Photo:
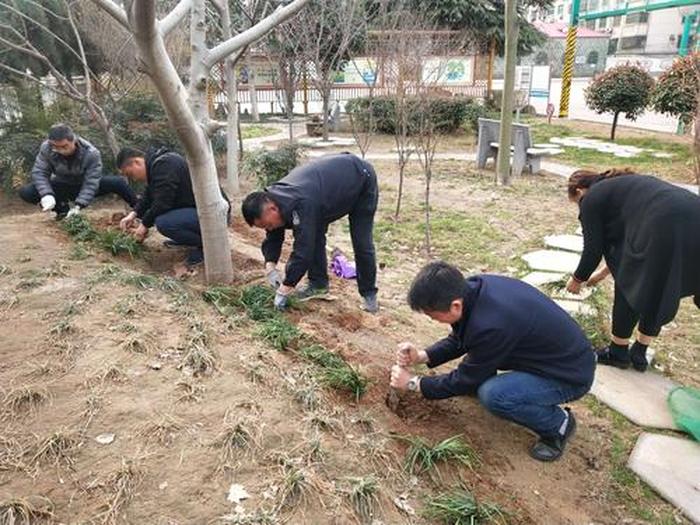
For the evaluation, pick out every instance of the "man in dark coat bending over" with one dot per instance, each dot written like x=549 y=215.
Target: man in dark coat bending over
x=501 y=324
x=306 y=201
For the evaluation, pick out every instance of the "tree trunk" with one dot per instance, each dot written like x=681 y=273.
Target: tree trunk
x=503 y=164
x=211 y=207
x=428 y=177
x=402 y=167
x=105 y=126
x=614 y=125
x=326 y=94
x=253 y=93
x=232 y=185
x=696 y=141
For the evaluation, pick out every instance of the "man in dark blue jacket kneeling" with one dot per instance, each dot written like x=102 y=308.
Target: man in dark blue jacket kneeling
x=501 y=324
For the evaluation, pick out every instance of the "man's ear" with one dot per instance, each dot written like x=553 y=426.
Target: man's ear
x=456 y=306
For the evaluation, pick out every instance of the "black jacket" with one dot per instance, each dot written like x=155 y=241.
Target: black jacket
x=647 y=230
x=311 y=197
x=508 y=325
x=169 y=186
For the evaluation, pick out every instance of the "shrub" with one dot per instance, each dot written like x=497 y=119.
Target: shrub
x=448 y=114
x=678 y=89
x=267 y=167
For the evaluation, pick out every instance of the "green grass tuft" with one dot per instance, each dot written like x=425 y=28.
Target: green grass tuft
x=364 y=496
x=460 y=507
x=423 y=457
x=278 y=331
x=114 y=241
x=334 y=371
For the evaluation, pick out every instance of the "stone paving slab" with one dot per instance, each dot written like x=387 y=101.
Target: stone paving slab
x=579 y=231
x=571 y=243
x=582 y=296
x=671 y=466
x=575 y=307
x=542 y=278
x=641 y=398
x=552 y=261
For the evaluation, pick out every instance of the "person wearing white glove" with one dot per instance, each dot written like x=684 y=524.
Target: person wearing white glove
x=48 y=203
x=75 y=210
x=273 y=275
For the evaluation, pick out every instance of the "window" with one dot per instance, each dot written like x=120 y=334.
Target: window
x=617 y=21
x=637 y=18
x=590 y=24
x=560 y=11
x=612 y=46
x=592 y=59
x=633 y=42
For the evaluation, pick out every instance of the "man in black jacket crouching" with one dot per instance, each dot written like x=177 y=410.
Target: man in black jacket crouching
x=168 y=202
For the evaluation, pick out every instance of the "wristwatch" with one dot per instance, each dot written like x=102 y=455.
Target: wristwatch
x=413 y=384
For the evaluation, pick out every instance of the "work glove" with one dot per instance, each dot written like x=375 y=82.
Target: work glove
x=75 y=210
x=48 y=203
x=273 y=277
x=280 y=301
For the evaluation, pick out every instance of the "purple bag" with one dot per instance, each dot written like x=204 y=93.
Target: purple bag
x=340 y=265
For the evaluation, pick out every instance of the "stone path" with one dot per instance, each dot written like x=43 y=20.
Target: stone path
x=671 y=466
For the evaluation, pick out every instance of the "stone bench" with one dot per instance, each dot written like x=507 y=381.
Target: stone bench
x=525 y=155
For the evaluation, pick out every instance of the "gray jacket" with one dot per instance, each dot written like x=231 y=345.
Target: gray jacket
x=83 y=169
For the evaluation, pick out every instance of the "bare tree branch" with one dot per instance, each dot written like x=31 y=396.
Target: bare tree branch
x=174 y=17
x=221 y=51
x=113 y=10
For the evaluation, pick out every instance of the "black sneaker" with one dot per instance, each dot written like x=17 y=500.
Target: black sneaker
x=195 y=257
x=607 y=358
x=551 y=448
x=638 y=356
x=309 y=291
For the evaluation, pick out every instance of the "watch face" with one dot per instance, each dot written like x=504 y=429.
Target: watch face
x=413 y=384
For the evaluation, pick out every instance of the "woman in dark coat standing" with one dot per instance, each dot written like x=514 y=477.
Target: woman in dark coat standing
x=648 y=231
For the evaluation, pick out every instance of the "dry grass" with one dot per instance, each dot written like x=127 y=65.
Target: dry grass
x=163 y=432
x=121 y=485
x=364 y=497
x=111 y=373
x=11 y=455
x=235 y=439
x=198 y=357
x=296 y=487
x=93 y=404
x=139 y=343
x=189 y=391
x=56 y=450
x=26 y=511
x=23 y=401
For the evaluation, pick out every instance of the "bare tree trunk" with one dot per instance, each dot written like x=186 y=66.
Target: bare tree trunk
x=503 y=163
x=428 y=179
x=105 y=126
x=232 y=185
x=402 y=168
x=696 y=141
x=614 y=125
x=326 y=95
x=252 y=91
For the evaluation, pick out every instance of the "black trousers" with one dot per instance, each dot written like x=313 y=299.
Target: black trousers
x=66 y=192
x=361 y=226
x=624 y=319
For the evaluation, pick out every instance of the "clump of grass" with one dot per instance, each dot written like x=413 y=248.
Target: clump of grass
x=122 y=483
x=163 y=431
x=423 y=457
x=24 y=400
x=198 y=357
x=79 y=227
x=139 y=343
x=363 y=496
x=190 y=392
x=141 y=280
x=113 y=373
x=61 y=328
x=78 y=253
x=106 y=273
x=128 y=306
x=334 y=371
x=224 y=298
x=295 y=486
x=278 y=331
x=26 y=511
x=56 y=449
x=4 y=270
x=235 y=438
x=460 y=507
x=114 y=241
x=11 y=454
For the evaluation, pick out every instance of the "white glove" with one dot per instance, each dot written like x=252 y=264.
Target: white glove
x=280 y=301
x=75 y=210
x=48 y=203
x=273 y=277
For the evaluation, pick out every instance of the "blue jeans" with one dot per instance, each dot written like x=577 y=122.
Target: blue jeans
x=65 y=192
x=529 y=400
x=181 y=225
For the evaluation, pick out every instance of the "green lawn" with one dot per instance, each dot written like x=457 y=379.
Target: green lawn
x=254 y=131
x=679 y=168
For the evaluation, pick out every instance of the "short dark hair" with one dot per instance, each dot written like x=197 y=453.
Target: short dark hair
x=252 y=206
x=435 y=287
x=126 y=154
x=61 y=132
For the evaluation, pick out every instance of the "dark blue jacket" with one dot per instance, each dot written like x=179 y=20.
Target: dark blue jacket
x=311 y=197
x=508 y=325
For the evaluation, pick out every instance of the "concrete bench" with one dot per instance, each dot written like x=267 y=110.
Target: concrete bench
x=525 y=155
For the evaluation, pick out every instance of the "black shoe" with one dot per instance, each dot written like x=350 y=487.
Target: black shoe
x=607 y=357
x=638 y=356
x=195 y=257
x=552 y=447
x=169 y=243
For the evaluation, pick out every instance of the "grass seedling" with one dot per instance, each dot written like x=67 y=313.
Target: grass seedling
x=4 y=270
x=162 y=432
x=278 y=331
x=56 y=449
x=23 y=511
x=345 y=378
x=257 y=300
x=198 y=358
x=11 y=454
x=190 y=392
x=422 y=457
x=78 y=253
x=318 y=355
x=460 y=507
x=122 y=483
x=224 y=298
x=364 y=496
x=24 y=400
x=118 y=242
x=79 y=227
x=139 y=343
x=141 y=280
x=234 y=439
x=295 y=487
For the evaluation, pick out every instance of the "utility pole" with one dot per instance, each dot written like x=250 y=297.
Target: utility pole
x=569 y=56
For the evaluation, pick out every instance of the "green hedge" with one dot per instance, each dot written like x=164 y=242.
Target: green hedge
x=267 y=167
x=447 y=114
